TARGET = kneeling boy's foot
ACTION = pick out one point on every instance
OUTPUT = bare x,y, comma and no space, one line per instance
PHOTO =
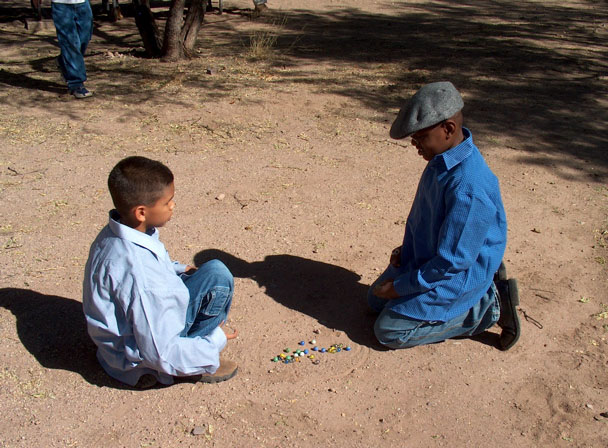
146,381
508,321
225,371
501,274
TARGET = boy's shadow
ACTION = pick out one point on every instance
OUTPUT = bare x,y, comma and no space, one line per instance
53,330
330,294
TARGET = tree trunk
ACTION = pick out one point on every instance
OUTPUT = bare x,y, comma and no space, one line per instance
150,34
194,21
180,35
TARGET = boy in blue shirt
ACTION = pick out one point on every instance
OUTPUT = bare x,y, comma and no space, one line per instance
151,318
440,282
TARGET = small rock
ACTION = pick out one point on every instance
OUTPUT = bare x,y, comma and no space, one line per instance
604,414
220,196
198,430
589,406
211,71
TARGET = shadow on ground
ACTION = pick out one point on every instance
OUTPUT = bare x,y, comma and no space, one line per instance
53,330
534,73
330,294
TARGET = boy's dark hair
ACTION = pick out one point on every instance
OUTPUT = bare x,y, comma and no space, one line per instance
138,181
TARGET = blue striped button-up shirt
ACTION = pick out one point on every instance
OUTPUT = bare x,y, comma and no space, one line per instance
455,236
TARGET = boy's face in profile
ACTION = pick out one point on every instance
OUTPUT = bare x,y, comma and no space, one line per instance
430,141
160,213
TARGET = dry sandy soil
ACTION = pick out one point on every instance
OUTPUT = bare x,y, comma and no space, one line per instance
277,133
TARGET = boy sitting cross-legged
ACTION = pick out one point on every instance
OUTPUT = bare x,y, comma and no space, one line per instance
151,318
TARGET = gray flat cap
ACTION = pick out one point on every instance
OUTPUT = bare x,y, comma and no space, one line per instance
432,104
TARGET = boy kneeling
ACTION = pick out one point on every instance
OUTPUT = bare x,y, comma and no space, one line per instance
151,318
446,280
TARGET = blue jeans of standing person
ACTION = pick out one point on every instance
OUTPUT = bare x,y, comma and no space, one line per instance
395,330
74,25
211,287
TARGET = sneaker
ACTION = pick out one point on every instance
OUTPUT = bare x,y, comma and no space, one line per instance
225,371
509,320
81,92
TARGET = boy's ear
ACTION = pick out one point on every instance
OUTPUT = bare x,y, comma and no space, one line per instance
140,213
450,127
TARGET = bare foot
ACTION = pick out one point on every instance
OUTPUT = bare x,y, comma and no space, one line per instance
229,336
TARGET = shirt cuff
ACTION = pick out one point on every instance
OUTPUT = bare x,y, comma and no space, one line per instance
218,338
179,268
401,285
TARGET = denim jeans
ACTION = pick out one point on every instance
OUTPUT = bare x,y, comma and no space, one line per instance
395,330
211,288
74,25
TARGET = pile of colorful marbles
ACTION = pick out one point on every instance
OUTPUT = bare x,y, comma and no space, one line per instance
288,355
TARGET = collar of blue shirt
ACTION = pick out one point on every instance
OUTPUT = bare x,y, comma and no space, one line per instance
457,154
148,240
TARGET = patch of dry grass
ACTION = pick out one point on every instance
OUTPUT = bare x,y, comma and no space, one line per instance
262,43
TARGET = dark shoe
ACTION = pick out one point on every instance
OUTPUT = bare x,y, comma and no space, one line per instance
81,92
508,321
146,381
501,274
225,371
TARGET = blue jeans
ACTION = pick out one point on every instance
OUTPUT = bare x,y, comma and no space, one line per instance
211,288
395,330
74,25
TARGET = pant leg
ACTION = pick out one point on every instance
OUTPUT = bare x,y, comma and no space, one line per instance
84,25
397,331
74,24
211,288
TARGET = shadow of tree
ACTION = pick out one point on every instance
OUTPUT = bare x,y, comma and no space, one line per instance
53,330
530,72
23,80
330,294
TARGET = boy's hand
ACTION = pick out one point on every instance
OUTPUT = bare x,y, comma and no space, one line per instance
190,270
386,290
396,257
229,336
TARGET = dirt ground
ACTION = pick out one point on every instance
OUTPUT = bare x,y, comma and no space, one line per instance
277,133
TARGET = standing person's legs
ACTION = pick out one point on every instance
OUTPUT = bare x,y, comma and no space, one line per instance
260,7
397,331
211,288
84,25
74,24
